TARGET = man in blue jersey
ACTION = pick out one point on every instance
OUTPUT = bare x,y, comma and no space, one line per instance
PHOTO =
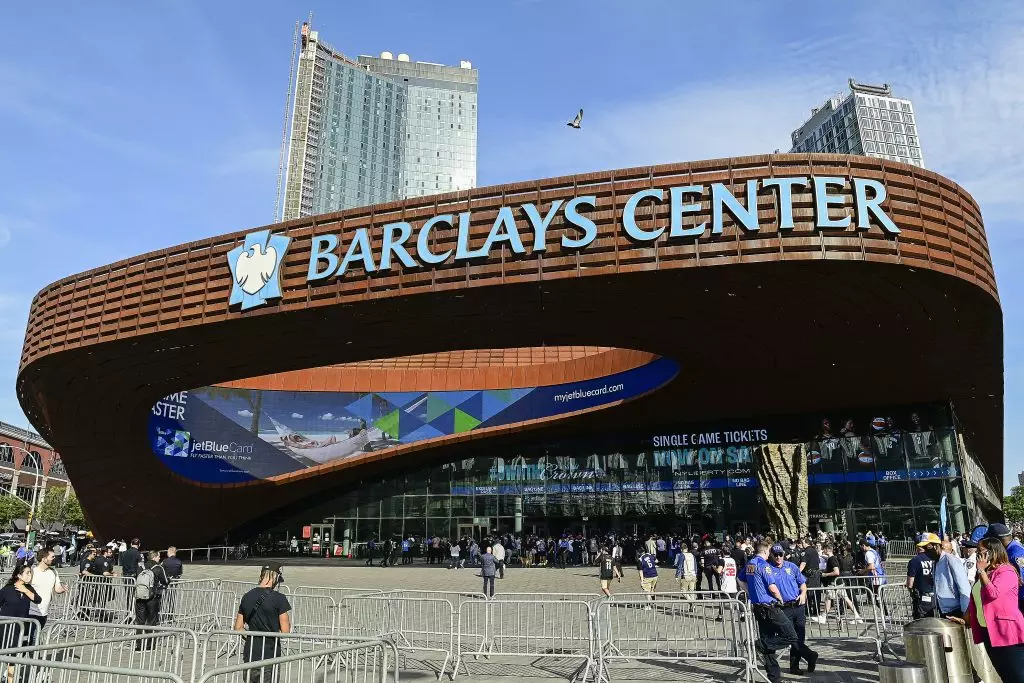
792,585
775,630
1014,550
647,566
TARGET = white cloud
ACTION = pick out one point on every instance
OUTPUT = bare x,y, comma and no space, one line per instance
245,413
297,416
970,110
327,416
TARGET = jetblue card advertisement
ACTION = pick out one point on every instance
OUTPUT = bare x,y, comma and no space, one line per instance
221,435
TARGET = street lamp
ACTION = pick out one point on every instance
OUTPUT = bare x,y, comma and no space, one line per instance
35,492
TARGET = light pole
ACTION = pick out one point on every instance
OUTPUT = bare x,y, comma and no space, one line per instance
29,536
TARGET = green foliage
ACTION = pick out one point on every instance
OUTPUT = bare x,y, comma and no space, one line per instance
11,508
1013,506
55,508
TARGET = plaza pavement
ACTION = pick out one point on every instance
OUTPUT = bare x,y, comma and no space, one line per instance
849,663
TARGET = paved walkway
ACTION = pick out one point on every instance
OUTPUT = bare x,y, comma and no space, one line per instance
846,664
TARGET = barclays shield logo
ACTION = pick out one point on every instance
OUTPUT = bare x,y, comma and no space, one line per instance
255,269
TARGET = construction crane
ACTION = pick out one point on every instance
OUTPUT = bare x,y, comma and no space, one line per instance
283,154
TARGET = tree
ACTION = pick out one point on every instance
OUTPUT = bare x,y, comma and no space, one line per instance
11,508
58,508
782,471
1013,506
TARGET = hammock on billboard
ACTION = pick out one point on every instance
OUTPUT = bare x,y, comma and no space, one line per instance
325,447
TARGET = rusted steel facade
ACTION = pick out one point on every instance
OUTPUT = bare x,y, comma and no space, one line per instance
765,322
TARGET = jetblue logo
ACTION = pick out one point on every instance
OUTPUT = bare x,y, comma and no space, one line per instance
255,269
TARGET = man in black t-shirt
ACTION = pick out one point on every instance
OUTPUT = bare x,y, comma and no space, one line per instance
264,610
712,565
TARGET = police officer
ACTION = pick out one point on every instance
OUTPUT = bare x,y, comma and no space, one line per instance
1014,550
792,586
711,559
775,630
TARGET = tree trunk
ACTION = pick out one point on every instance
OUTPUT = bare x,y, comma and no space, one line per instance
782,473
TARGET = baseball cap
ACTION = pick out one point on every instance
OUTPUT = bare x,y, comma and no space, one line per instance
997,530
778,550
928,538
272,567
968,544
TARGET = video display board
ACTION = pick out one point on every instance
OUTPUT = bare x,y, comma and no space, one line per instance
224,435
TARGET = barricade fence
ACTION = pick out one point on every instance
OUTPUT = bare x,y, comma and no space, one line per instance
31,669
843,613
194,608
107,599
458,627
357,662
168,651
526,628
296,658
674,629
15,632
896,610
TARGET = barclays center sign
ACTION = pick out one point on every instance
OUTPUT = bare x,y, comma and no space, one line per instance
256,264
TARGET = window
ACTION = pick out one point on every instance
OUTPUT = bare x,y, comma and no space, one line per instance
6,453
32,462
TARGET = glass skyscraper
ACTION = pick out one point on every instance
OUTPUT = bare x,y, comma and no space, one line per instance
868,120
376,130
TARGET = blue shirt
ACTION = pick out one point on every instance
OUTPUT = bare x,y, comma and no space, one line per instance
952,589
788,580
647,565
759,575
1016,552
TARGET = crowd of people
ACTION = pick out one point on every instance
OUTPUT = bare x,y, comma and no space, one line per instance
34,581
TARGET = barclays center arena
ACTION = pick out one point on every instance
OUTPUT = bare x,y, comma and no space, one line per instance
612,350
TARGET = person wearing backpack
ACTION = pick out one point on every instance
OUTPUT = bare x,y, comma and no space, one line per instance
150,583
264,610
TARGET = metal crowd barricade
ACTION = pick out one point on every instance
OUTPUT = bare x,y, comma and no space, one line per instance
843,613
901,548
364,617
362,662
32,669
108,599
896,610
674,629
590,598
60,603
337,593
313,614
139,651
194,608
424,625
223,650
15,632
454,597
559,629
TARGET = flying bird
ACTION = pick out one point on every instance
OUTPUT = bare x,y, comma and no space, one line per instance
575,123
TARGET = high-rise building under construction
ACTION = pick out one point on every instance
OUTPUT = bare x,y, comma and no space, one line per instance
375,129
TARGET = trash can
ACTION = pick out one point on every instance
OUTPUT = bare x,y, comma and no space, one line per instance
902,672
948,658
983,665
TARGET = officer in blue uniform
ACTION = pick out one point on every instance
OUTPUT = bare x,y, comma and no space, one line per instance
1014,550
775,630
792,587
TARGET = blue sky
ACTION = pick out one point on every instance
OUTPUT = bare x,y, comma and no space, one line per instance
127,127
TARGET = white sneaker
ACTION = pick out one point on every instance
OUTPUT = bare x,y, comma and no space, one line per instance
819,619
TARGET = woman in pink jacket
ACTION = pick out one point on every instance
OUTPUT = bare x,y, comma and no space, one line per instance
993,614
